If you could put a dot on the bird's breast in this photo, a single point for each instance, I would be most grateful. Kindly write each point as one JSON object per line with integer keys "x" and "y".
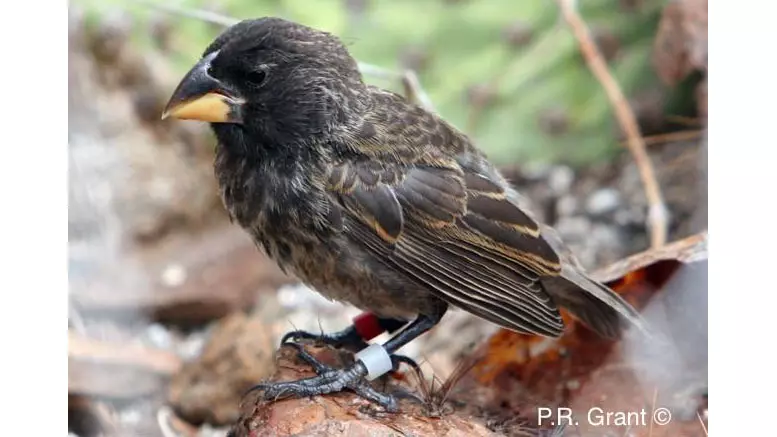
{"x": 279, "y": 206}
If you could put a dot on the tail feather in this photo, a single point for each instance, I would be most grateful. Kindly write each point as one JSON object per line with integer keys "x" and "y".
{"x": 593, "y": 303}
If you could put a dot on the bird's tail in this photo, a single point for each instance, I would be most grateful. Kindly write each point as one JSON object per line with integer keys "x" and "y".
{"x": 593, "y": 303}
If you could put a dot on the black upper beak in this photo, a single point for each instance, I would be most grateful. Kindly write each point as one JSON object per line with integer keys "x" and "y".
{"x": 199, "y": 96}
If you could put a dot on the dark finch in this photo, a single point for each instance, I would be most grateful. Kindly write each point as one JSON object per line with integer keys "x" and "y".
{"x": 372, "y": 200}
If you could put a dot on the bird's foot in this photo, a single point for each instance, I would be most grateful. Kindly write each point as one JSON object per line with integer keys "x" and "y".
{"x": 330, "y": 380}
{"x": 365, "y": 327}
{"x": 348, "y": 339}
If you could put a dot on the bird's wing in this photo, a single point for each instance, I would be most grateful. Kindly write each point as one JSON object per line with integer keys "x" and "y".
{"x": 456, "y": 231}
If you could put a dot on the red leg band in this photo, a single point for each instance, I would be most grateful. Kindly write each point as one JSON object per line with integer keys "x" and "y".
{"x": 367, "y": 326}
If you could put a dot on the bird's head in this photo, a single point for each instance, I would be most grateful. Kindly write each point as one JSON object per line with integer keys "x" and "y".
{"x": 273, "y": 79}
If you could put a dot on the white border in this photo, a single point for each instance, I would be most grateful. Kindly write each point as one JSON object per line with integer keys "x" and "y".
{"x": 33, "y": 224}
{"x": 743, "y": 168}
{"x": 742, "y": 185}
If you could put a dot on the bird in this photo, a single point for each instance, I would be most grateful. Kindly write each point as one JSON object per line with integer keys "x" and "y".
{"x": 374, "y": 201}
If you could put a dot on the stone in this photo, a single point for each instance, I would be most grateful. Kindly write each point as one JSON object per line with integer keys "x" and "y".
{"x": 603, "y": 202}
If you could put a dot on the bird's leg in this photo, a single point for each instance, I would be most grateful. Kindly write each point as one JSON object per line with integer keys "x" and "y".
{"x": 331, "y": 380}
{"x": 365, "y": 327}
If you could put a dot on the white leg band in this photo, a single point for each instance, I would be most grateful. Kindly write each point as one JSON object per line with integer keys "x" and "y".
{"x": 376, "y": 360}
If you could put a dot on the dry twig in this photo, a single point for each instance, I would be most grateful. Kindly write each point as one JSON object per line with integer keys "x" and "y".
{"x": 683, "y": 135}
{"x": 657, "y": 214}
{"x": 684, "y": 120}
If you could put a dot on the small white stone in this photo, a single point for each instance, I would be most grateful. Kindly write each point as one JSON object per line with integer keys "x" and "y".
{"x": 560, "y": 179}
{"x": 159, "y": 336}
{"x": 603, "y": 201}
{"x": 193, "y": 345}
{"x": 174, "y": 275}
{"x": 130, "y": 416}
{"x": 573, "y": 228}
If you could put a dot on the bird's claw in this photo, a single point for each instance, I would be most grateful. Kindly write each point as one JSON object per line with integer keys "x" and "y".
{"x": 348, "y": 339}
{"x": 327, "y": 380}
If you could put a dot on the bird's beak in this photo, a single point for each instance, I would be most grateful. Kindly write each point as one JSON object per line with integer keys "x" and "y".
{"x": 199, "y": 96}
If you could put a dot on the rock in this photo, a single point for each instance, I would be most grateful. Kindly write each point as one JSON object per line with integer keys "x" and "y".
{"x": 159, "y": 336}
{"x": 680, "y": 172}
{"x": 560, "y": 179}
{"x": 237, "y": 356}
{"x": 603, "y": 202}
{"x": 573, "y": 228}
{"x": 343, "y": 414}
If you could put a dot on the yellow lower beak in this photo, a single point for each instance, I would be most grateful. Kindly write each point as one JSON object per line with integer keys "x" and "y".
{"x": 212, "y": 107}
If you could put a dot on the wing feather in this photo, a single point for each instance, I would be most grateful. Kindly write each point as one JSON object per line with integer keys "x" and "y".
{"x": 472, "y": 248}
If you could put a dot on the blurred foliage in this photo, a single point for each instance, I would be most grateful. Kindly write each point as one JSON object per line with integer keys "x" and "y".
{"x": 507, "y": 72}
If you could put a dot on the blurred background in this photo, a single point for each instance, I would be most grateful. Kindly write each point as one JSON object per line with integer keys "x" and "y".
{"x": 173, "y": 311}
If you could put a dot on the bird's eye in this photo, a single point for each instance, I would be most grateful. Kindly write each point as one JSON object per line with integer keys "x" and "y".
{"x": 257, "y": 77}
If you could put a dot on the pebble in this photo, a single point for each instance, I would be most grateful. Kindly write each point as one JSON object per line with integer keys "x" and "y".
{"x": 560, "y": 179}
{"x": 605, "y": 236}
{"x": 159, "y": 336}
{"x": 629, "y": 216}
{"x": 207, "y": 430}
{"x": 190, "y": 347}
{"x": 567, "y": 206}
{"x": 573, "y": 228}
{"x": 603, "y": 202}
{"x": 174, "y": 275}
{"x": 130, "y": 416}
